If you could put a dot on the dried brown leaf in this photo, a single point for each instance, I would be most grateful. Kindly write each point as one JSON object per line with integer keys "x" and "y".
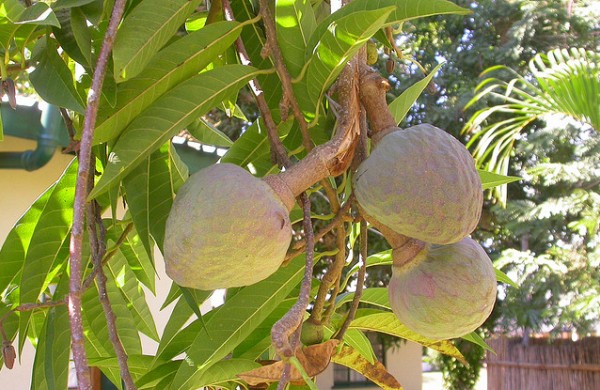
{"x": 314, "y": 359}
{"x": 8, "y": 354}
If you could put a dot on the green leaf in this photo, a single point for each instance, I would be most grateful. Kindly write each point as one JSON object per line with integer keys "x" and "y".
{"x": 150, "y": 190}
{"x": 50, "y": 235}
{"x": 95, "y": 322}
{"x": 236, "y": 319}
{"x": 51, "y": 364}
{"x": 11, "y": 10}
{"x": 59, "y": 4}
{"x": 38, "y": 14}
{"x": 475, "y": 338}
{"x": 168, "y": 115}
{"x": 386, "y": 322}
{"x": 253, "y": 148}
{"x": 335, "y": 47}
{"x": 18, "y": 240}
{"x": 52, "y": 79}
{"x": 134, "y": 296}
{"x": 181, "y": 313}
{"x": 177, "y": 62}
{"x": 490, "y": 179}
{"x": 377, "y": 296}
{"x": 153, "y": 377}
{"x": 221, "y": 372}
{"x": 208, "y": 134}
{"x": 137, "y": 364}
{"x": 138, "y": 259}
{"x": 295, "y": 22}
{"x": 361, "y": 344}
{"x": 145, "y": 30}
{"x": 78, "y": 47}
{"x": 504, "y": 278}
{"x": 404, "y": 10}
{"x": 400, "y": 106}
{"x": 260, "y": 339}
{"x": 381, "y": 258}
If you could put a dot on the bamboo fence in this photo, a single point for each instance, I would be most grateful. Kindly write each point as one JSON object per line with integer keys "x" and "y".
{"x": 544, "y": 365}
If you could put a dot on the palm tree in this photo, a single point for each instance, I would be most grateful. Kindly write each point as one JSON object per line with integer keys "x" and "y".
{"x": 563, "y": 83}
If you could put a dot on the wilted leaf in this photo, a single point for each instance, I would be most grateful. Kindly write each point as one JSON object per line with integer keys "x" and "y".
{"x": 377, "y": 373}
{"x": 314, "y": 359}
{"x": 8, "y": 354}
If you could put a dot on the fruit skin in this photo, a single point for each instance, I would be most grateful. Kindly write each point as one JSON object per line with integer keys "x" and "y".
{"x": 446, "y": 291}
{"x": 421, "y": 182}
{"x": 226, "y": 228}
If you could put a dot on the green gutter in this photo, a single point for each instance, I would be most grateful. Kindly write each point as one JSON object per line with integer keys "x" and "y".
{"x": 43, "y": 125}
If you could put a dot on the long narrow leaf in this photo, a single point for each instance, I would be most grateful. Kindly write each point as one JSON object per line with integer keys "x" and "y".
{"x": 145, "y": 30}
{"x": 386, "y": 322}
{"x": 334, "y": 48}
{"x": 175, "y": 63}
{"x": 170, "y": 114}
{"x": 236, "y": 319}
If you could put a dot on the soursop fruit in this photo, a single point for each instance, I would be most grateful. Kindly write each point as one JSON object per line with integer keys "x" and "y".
{"x": 422, "y": 183}
{"x": 226, "y": 228}
{"x": 446, "y": 291}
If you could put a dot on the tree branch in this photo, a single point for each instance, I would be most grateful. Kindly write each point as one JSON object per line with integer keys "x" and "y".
{"x": 81, "y": 193}
{"x": 97, "y": 233}
{"x": 108, "y": 255}
{"x": 282, "y": 333}
{"x": 286, "y": 81}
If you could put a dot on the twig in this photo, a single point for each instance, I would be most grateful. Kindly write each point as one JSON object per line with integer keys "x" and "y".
{"x": 81, "y": 193}
{"x": 108, "y": 255}
{"x": 283, "y": 329}
{"x": 331, "y": 307}
{"x": 28, "y": 307}
{"x": 331, "y": 276}
{"x": 340, "y": 217}
{"x": 286, "y": 81}
{"x": 360, "y": 281}
{"x": 98, "y": 244}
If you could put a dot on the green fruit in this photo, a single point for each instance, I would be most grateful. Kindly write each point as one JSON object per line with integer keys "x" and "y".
{"x": 446, "y": 291}
{"x": 226, "y": 228}
{"x": 312, "y": 333}
{"x": 422, "y": 183}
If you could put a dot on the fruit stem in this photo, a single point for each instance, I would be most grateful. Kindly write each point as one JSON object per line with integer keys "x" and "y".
{"x": 373, "y": 89}
{"x": 404, "y": 249}
{"x": 331, "y": 158}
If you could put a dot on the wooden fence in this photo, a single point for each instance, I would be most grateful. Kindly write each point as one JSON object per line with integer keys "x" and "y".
{"x": 559, "y": 365}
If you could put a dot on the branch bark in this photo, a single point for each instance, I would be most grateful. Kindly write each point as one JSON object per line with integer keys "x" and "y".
{"x": 81, "y": 193}
{"x": 97, "y": 233}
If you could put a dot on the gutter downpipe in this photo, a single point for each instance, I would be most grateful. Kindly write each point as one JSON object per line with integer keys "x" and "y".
{"x": 47, "y": 142}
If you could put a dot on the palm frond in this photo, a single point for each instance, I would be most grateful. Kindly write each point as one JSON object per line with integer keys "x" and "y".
{"x": 564, "y": 82}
